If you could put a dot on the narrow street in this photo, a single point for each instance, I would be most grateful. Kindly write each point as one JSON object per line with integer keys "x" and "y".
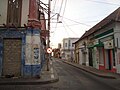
{"x": 70, "y": 78}
{"x": 60, "y": 45}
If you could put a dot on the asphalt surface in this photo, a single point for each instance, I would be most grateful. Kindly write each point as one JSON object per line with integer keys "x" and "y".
{"x": 71, "y": 78}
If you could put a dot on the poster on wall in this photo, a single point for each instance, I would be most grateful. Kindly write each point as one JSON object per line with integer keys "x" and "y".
{"x": 108, "y": 44}
{"x": 36, "y": 50}
{"x": 32, "y": 52}
{"x": 35, "y": 54}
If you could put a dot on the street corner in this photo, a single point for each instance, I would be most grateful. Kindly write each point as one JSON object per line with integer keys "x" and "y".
{"x": 50, "y": 76}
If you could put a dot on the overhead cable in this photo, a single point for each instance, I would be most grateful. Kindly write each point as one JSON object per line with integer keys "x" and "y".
{"x": 70, "y": 28}
{"x": 77, "y": 22}
{"x": 54, "y": 5}
{"x": 104, "y": 2}
{"x": 64, "y": 9}
{"x": 65, "y": 29}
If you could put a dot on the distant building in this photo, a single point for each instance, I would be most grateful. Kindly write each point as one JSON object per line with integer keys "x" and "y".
{"x": 57, "y": 51}
{"x": 67, "y": 50}
{"x": 59, "y": 45}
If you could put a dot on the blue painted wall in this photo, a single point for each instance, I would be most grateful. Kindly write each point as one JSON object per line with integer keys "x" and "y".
{"x": 27, "y": 70}
{"x": 31, "y": 68}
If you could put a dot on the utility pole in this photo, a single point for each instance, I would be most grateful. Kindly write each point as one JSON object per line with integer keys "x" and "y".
{"x": 48, "y": 41}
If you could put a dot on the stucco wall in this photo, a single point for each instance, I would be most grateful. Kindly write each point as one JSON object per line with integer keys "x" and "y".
{"x": 69, "y": 42}
{"x": 30, "y": 53}
{"x": 25, "y": 12}
{"x": 32, "y": 48}
{"x": 117, "y": 45}
{"x": 3, "y": 12}
{"x": 117, "y": 35}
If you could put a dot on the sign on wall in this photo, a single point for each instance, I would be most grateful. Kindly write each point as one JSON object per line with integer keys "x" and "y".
{"x": 32, "y": 52}
{"x": 108, "y": 44}
{"x": 35, "y": 54}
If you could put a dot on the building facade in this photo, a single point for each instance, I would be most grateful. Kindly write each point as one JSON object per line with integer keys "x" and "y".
{"x": 67, "y": 51}
{"x": 22, "y": 45}
{"x": 81, "y": 51}
{"x": 103, "y": 43}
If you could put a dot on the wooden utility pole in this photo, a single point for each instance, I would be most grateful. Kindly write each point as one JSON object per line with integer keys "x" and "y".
{"x": 48, "y": 41}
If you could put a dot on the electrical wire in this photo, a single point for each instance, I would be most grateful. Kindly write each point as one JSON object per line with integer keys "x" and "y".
{"x": 64, "y": 9}
{"x": 66, "y": 29}
{"x": 70, "y": 28}
{"x": 54, "y": 5}
{"x": 77, "y": 22}
{"x": 61, "y": 6}
{"x": 71, "y": 19}
{"x": 58, "y": 14}
{"x": 104, "y": 2}
{"x": 55, "y": 30}
{"x": 67, "y": 25}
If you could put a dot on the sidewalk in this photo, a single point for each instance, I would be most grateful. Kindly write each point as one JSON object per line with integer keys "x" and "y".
{"x": 95, "y": 71}
{"x": 45, "y": 78}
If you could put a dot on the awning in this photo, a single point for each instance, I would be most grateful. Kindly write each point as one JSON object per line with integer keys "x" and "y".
{"x": 99, "y": 45}
{"x": 90, "y": 46}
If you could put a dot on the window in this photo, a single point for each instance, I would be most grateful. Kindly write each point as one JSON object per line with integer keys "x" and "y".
{"x": 14, "y": 12}
{"x": 69, "y": 43}
{"x": 65, "y": 44}
{"x": 72, "y": 45}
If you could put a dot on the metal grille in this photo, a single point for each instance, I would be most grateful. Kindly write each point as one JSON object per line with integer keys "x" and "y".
{"x": 12, "y": 57}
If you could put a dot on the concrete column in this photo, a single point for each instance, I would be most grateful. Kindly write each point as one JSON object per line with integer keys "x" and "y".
{"x": 33, "y": 15}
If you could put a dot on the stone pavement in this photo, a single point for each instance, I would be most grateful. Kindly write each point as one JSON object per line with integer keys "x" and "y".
{"x": 45, "y": 78}
{"x": 95, "y": 71}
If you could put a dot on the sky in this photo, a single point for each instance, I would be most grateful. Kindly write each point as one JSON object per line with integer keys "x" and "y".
{"x": 71, "y": 18}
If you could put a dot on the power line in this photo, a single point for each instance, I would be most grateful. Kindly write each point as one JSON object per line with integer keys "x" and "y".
{"x": 64, "y": 9}
{"x": 61, "y": 6}
{"x": 77, "y": 22}
{"x": 55, "y": 30}
{"x": 70, "y": 28}
{"x": 54, "y": 5}
{"x": 104, "y": 2}
{"x": 58, "y": 15}
{"x": 65, "y": 29}
{"x": 67, "y": 25}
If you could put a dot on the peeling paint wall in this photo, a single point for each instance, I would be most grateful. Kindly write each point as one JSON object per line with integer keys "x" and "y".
{"x": 32, "y": 48}
{"x": 3, "y": 11}
{"x": 25, "y": 12}
{"x": 30, "y": 52}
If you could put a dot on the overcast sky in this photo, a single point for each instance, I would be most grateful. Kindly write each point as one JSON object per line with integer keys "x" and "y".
{"x": 77, "y": 16}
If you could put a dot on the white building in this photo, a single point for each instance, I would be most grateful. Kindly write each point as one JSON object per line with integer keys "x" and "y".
{"x": 68, "y": 48}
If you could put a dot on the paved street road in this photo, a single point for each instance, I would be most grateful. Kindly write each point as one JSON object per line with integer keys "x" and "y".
{"x": 71, "y": 78}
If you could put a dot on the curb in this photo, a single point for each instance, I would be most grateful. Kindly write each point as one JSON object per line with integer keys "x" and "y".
{"x": 94, "y": 73}
{"x": 28, "y": 82}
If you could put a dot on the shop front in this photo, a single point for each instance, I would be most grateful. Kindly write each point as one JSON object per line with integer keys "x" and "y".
{"x": 107, "y": 54}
